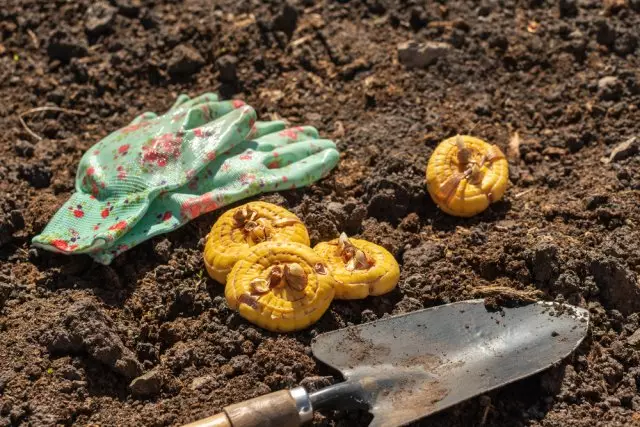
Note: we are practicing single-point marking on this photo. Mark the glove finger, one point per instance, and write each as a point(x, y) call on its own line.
point(203, 113)
point(267, 136)
point(298, 151)
point(182, 98)
point(143, 118)
point(206, 142)
point(303, 172)
point(284, 137)
point(264, 128)
point(198, 100)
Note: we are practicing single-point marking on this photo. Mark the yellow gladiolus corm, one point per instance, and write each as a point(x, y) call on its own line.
point(361, 268)
point(466, 174)
point(280, 286)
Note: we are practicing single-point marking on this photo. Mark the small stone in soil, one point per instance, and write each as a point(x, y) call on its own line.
point(419, 55)
point(146, 385)
point(634, 339)
point(100, 18)
point(184, 61)
point(609, 88)
point(200, 382)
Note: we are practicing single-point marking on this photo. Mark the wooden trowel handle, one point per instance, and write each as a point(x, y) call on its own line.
point(284, 408)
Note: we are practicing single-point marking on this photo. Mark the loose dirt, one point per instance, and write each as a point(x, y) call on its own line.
point(562, 75)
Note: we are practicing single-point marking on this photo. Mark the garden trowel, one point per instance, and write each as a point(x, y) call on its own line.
point(409, 366)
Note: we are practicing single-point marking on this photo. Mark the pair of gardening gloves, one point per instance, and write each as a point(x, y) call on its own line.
point(160, 172)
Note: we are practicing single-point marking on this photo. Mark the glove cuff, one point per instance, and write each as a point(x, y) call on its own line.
point(86, 224)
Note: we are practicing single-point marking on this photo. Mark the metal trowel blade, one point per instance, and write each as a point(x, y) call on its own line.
point(416, 364)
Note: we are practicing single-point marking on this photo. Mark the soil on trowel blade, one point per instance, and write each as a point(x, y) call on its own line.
point(149, 339)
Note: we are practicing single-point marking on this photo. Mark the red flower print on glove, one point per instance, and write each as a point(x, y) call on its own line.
point(165, 216)
point(106, 211)
point(197, 206)
point(122, 174)
point(162, 149)
point(134, 127)
point(63, 245)
point(291, 133)
point(77, 211)
point(119, 226)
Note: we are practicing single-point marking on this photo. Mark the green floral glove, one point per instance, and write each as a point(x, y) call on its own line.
point(119, 177)
point(273, 159)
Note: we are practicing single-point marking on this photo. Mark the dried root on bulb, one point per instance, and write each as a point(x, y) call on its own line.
point(239, 229)
point(280, 286)
point(465, 175)
point(361, 268)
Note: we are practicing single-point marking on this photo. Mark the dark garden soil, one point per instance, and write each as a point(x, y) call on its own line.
point(562, 75)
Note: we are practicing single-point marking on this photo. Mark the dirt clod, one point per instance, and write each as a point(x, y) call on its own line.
point(609, 88)
point(146, 385)
point(286, 21)
point(634, 339)
point(227, 66)
point(64, 46)
point(619, 286)
point(38, 175)
point(418, 55)
point(24, 148)
point(184, 61)
point(85, 328)
point(100, 18)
